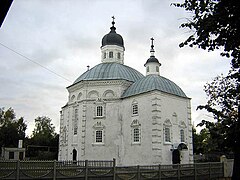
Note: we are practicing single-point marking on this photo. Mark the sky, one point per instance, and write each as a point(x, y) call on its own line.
point(45, 45)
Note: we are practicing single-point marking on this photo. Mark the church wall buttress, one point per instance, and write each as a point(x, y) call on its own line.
point(83, 128)
point(156, 130)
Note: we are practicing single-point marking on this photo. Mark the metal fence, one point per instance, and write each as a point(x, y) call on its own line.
point(89, 170)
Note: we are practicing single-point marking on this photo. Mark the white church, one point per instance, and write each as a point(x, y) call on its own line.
point(114, 111)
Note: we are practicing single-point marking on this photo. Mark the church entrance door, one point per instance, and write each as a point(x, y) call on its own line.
point(74, 154)
point(176, 156)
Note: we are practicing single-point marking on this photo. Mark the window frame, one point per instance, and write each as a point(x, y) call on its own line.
point(99, 111)
point(182, 135)
point(11, 155)
point(167, 134)
point(99, 137)
point(136, 135)
point(111, 54)
point(119, 55)
point(134, 109)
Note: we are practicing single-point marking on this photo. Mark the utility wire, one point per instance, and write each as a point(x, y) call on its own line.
point(34, 62)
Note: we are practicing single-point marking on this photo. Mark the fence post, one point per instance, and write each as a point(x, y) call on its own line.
point(178, 171)
point(209, 170)
point(86, 169)
point(195, 171)
point(18, 170)
point(114, 168)
point(138, 172)
point(159, 172)
point(54, 170)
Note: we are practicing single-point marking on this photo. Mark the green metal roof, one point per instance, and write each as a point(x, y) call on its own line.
point(153, 82)
point(110, 71)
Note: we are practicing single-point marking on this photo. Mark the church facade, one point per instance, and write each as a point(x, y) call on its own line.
point(114, 111)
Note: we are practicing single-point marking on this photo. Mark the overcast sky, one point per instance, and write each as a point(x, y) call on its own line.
point(65, 36)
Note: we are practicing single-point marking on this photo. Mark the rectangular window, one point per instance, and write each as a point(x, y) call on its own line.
point(118, 55)
point(134, 109)
point(99, 112)
point(111, 54)
point(182, 138)
point(167, 134)
point(99, 136)
point(136, 135)
point(11, 155)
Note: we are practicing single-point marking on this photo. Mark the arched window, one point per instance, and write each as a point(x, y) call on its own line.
point(104, 55)
point(157, 68)
point(134, 108)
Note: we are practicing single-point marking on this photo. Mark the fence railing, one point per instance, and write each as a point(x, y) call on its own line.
point(106, 170)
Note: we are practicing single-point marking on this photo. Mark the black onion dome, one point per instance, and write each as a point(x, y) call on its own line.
point(112, 38)
point(152, 59)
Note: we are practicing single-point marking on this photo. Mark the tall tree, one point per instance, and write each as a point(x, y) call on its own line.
point(43, 143)
point(11, 128)
point(215, 25)
point(44, 131)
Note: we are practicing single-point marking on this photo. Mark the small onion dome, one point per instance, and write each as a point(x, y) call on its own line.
point(112, 38)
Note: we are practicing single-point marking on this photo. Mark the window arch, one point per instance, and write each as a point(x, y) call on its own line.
point(93, 94)
point(108, 93)
point(72, 98)
point(79, 96)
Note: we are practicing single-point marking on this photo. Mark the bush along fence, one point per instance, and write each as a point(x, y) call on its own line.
point(89, 170)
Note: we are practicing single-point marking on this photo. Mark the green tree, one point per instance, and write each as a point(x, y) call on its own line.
point(43, 143)
point(215, 25)
point(44, 131)
point(11, 128)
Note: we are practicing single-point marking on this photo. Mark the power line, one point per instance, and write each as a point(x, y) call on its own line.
point(25, 57)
